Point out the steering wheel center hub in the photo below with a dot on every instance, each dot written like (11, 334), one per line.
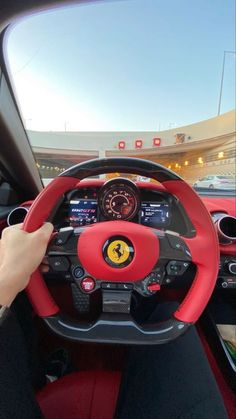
(118, 251)
(108, 254)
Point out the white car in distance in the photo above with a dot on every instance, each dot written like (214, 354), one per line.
(216, 182)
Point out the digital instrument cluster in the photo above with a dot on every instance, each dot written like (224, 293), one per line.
(83, 212)
(155, 213)
(118, 199)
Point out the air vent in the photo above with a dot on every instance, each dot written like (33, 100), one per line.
(226, 229)
(17, 216)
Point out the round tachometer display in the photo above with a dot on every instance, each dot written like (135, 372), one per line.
(119, 199)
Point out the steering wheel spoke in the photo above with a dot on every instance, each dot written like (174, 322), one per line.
(173, 247)
(116, 301)
(64, 242)
(62, 255)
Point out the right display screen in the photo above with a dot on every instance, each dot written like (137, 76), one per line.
(155, 214)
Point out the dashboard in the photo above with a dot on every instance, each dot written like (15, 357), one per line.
(149, 204)
(144, 203)
(122, 199)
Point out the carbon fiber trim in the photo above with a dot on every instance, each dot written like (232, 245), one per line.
(122, 164)
(117, 329)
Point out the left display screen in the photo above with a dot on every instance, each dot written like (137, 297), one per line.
(83, 212)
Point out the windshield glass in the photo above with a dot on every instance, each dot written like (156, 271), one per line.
(153, 79)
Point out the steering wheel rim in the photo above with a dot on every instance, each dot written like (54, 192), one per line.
(203, 247)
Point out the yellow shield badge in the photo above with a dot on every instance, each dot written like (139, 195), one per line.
(118, 252)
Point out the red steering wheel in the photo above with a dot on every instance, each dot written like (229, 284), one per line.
(149, 246)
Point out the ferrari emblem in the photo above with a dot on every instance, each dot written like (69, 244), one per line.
(118, 252)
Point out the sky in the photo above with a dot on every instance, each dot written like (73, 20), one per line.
(129, 65)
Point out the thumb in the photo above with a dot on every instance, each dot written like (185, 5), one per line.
(45, 231)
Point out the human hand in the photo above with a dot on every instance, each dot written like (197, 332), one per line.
(20, 255)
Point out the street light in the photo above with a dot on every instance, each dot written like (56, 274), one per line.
(222, 78)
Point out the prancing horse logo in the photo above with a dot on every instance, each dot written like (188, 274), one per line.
(118, 250)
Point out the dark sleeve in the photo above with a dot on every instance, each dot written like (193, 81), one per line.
(17, 398)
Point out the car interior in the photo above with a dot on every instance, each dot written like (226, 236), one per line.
(121, 246)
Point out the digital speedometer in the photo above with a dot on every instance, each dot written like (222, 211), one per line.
(119, 199)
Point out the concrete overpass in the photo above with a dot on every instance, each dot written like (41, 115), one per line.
(208, 147)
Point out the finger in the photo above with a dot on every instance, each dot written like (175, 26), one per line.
(18, 226)
(45, 260)
(15, 227)
(9, 229)
(44, 268)
(45, 231)
(47, 227)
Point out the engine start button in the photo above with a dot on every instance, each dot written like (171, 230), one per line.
(87, 284)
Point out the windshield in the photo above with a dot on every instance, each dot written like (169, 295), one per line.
(153, 79)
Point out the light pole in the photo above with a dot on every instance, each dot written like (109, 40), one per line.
(222, 78)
